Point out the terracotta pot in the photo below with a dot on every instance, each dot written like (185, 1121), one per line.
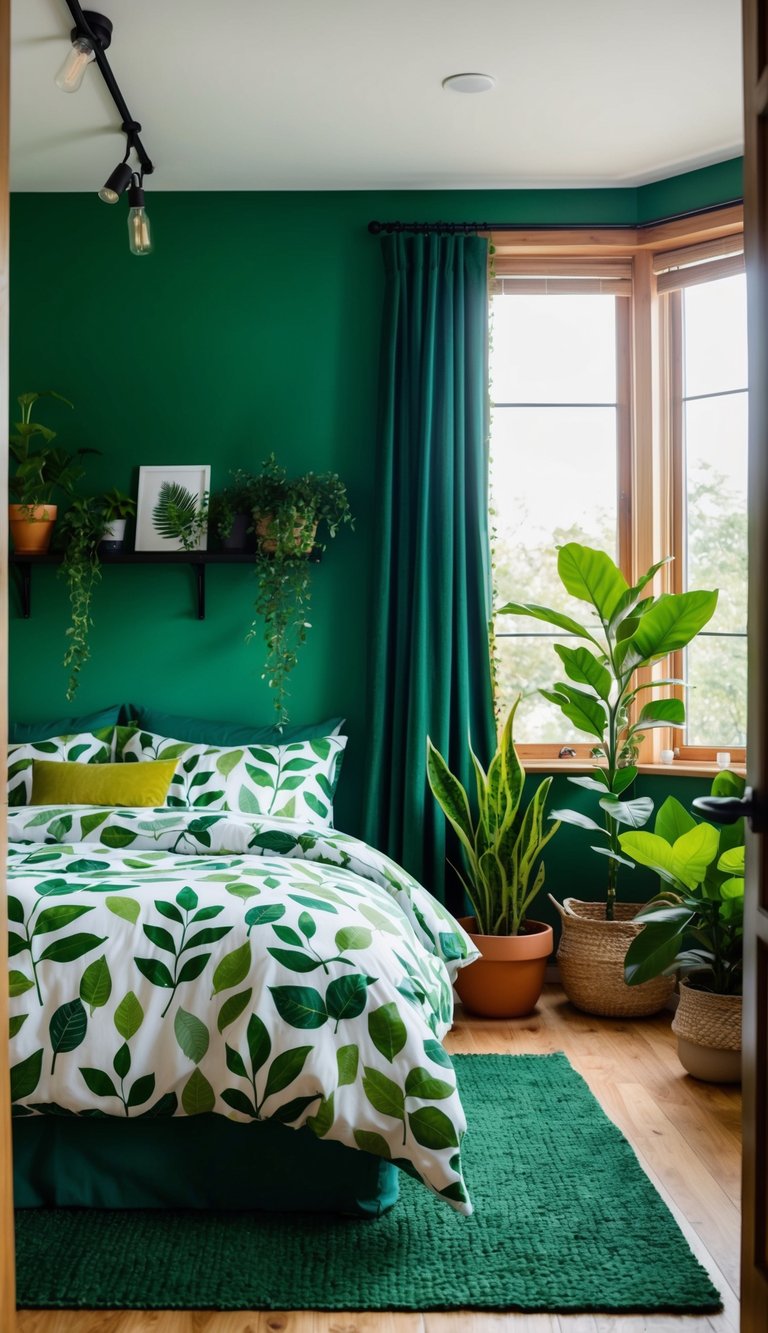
(31, 527)
(708, 1030)
(268, 544)
(590, 957)
(507, 981)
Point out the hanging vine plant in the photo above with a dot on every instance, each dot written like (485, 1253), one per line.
(287, 514)
(80, 530)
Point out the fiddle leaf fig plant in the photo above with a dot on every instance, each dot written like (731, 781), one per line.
(502, 840)
(627, 630)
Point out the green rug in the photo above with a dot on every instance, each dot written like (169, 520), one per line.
(565, 1219)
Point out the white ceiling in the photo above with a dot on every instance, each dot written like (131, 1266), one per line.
(346, 94)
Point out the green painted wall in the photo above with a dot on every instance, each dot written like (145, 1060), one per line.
(253, 327)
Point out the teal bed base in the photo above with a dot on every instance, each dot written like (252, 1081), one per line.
(203, 1161)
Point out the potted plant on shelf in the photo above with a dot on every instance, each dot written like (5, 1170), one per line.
(231, 513)
(116, 509)
(604, 698)
(501, 843)
(287, 512)
(695, 927)
(40, 471)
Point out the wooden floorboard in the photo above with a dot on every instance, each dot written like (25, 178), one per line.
(686, 1136)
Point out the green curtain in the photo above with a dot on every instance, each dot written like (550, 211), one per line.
(431, 670)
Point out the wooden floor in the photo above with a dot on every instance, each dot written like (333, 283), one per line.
(686, 1134)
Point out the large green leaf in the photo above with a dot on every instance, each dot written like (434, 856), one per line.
(432, 1129)
(67, 1027)
(686, 861)
(387, 1030)
(155, 971)
(450, 796)
(383, 1093)
(259, 1043)
(661, 713)
(129, 1016)
(233, 1008)
(192, 1035)
(670, 624)
(347, 1058)
(346, 996)
(549, 617)
(375, 1144)
(127, 908)
(321, 1122)
(74, 946)
(673, 820)
(98, 1082)
(142, 1090)
(353, 937)
(96, 984)
(653, 952)
(25, 1076)
(583, 710)
(233, 968)
(421, 1083)
(585, 668)
(198, 1097)
(285, 1068)
(54, 918)
(635, 813)
(300, 1006)
(591, 576)
(434, 1051)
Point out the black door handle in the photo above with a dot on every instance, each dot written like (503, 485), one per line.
(727, 809)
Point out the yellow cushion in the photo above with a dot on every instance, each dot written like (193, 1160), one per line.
(101, 784)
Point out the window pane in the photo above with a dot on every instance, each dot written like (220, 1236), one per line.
(554, 349)
(554, 481)
(715, 315)
(716, 520)
(716, 705)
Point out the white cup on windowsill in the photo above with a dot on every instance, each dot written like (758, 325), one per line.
(667, 756)
(723, 758)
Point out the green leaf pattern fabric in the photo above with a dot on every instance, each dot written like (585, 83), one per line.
(176, 962)
(297, 780)
(88, 747)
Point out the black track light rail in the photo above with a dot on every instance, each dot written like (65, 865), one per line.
(130, 127)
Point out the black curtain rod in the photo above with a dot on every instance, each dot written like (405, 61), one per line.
(465, 228)
(130, 127)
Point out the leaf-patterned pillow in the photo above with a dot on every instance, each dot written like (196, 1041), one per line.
(85, 747)
(297, 780)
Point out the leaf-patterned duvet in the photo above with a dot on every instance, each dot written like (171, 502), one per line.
(172, 963)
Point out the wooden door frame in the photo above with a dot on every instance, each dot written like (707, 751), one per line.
(7, 1258)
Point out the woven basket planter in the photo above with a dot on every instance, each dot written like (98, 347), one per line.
(708, 1030)
(591, 961)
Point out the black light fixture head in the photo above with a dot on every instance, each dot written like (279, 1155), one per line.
(117, 183)
(99, 27)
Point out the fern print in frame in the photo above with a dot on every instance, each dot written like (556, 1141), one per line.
(194, 478)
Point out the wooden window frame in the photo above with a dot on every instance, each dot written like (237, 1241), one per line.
(649, 434)
(671, 307)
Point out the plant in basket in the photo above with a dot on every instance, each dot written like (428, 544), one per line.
(694, 928)
(628, 631)
(501, 841)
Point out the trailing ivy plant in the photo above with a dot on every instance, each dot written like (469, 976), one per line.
(286, 515)
(80, 530)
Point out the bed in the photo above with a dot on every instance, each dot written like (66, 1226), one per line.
(219, 1007)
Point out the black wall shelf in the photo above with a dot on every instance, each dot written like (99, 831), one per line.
(22, 565)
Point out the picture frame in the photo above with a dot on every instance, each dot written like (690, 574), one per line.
(195, 478)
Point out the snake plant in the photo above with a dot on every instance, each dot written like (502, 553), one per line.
(503, 840)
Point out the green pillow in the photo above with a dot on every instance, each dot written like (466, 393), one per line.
(199, 732)
(26, 733)
(56, 783)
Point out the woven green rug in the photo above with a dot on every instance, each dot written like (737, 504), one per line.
(565, 1219)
